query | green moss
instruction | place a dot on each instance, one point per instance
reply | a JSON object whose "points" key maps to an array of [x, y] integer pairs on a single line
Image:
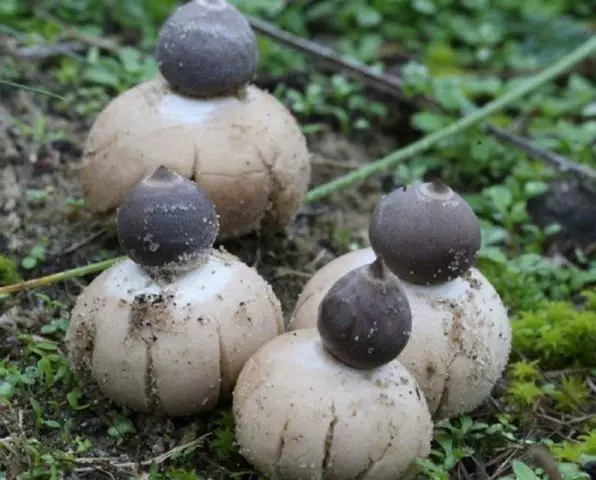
{"points": [[579, 450], [8, 271], [557, 334], [528, 387], [526, 282]]}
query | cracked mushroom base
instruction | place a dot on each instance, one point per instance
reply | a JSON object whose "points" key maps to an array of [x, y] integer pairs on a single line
{"points": [[301, 414], [246, 151], [460, 340], [173, 350]]}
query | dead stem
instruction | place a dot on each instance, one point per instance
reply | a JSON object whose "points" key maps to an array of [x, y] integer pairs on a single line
{"points": [[61, 276], [394, 85], [380, 80], [116, 464], [76, 246]]}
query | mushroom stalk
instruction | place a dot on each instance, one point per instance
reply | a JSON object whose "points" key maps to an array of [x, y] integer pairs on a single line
{"points": [[378, 269]]}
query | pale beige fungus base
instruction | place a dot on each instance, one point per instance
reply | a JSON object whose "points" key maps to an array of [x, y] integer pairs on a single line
{"points": [[301, 414], [461, 334], [246, 151], [174, 349]]}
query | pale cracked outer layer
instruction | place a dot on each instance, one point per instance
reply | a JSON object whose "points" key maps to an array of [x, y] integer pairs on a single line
{"points": [[301, 414], [461, 334], [246, 152], [173, 350]]}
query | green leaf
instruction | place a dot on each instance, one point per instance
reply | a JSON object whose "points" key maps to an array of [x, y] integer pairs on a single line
{"points": [[589, 110], [52, 424], [494, 254], [501, 197], [123, 426], [6, 390], [28, 263], [73, 398], [9, 8], [448, 92], [130, 59], [424, 6], [100, 75], [429, 122], [523, 472], [368, 17], [535, 188], [38, 251], [483, 150]]}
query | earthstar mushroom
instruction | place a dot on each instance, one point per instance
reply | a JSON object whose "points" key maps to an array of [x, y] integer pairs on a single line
{"points": [[461, 336], [202, 118], [169, 334], [303, 413]]}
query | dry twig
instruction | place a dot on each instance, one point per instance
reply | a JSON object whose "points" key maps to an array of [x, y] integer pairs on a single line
{"points": [[76, 246], [381, 81], [75, 34], [45, 52], [394, 85], [92, 463]]}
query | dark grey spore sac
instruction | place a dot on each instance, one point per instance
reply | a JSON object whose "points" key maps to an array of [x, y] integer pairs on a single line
{"points": [[166, 219], [207, 48], [426, 233], [365, 319]]}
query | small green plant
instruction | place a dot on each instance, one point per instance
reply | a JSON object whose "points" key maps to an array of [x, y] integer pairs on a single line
{"points": [[121, 428], [582, 449], [36, 255], [36, 197], [127, 69], [335, 99], [458, 439], [526, 281], [40, 132]]}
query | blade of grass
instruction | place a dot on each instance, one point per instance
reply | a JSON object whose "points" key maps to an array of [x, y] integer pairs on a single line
{"points": [[39, 91], [61, 276]]}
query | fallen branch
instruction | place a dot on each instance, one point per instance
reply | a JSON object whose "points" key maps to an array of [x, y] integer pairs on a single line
{"points": [[45, 52], [73, 33], [394, 86], [92, 463], [388, 83], [561, 163], [470, 120]]}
